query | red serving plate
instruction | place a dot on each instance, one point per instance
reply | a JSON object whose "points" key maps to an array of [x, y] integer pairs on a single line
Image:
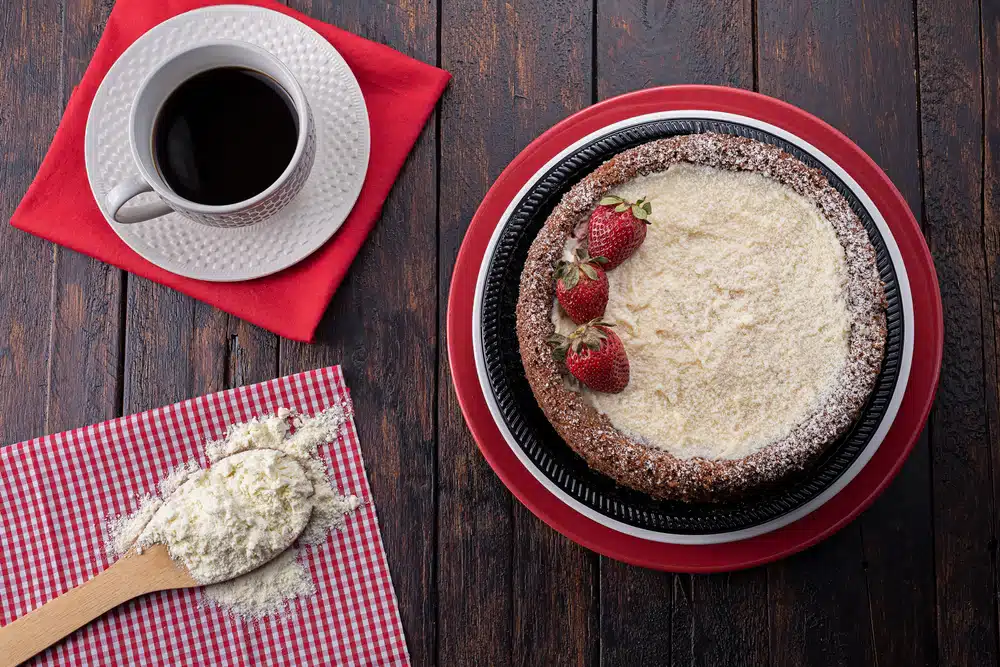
{"points": [[806, 531]]}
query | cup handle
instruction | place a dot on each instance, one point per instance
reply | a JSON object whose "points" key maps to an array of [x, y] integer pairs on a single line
{"points": [[126, 190]]}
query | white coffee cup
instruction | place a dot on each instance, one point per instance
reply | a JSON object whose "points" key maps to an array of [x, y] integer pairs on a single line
{"points": [[154, 91]]}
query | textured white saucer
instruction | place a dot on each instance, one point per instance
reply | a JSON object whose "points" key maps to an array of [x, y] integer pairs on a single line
{"points": [[188, 248]]}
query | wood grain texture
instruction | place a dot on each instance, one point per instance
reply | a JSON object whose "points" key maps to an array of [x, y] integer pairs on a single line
{"points": [[641, 43], [30, 100], [475, 527], [159, 349], [85, 380], [852, 65], [177, 348], [961, 441], [991, 230], [637, 615], [479, 579], [655, 618], [819, 606], [525, 595], [508, 584], [729, 620], [649, 617], [382, 328]]}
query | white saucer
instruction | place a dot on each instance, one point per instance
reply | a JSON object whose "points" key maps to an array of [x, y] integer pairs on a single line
{"points": [[188, 248]]}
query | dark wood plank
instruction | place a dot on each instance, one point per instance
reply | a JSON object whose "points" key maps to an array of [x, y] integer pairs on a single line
{"points": [[555, 587], [819, 606], [991, 229], [852, 64], [382, 328], [475, 529], [177, 348], [159, 352], [31, 97], [642, 44], [650, 617], [509, 586], [86, 369], [728, 619], [638, 617], [898, 559], [653, 618], [961, 441], [229, 352]]}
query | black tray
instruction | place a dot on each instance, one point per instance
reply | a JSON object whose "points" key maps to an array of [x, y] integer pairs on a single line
{"points": [[543, 446]]}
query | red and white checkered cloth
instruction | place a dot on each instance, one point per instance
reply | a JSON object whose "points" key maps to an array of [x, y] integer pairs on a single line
{"points": [[57, 493]]}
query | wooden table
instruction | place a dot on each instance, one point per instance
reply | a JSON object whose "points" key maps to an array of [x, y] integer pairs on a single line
{"points": [[480, 580]]}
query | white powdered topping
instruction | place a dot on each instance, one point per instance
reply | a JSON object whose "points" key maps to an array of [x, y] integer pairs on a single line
{"points": [[265, 487], [733, 314]]}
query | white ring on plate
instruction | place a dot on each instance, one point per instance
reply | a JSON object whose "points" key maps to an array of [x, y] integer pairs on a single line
{"points": [[343, 144], [849, 474]]}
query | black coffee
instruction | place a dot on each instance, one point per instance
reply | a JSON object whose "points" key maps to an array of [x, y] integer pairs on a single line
{"points": [[224, 135]]}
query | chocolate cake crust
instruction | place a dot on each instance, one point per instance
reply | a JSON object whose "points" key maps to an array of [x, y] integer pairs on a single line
{"points": [[654, 471]]}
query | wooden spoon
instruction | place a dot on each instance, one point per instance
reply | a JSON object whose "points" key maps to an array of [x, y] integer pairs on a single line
{"points": [[129, 577]]}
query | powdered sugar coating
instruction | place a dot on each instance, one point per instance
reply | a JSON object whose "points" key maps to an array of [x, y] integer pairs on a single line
{"points": [[593, 436]]}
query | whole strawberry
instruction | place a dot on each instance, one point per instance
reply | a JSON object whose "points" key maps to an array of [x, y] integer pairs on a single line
{"points": [[594, 354], [582, 287], [617, 229]]}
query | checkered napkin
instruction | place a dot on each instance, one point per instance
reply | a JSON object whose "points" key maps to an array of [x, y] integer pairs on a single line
{"points": [[57, 492]]}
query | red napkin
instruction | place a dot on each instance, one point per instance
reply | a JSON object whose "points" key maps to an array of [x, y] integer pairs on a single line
{"points": [[400, 94]]}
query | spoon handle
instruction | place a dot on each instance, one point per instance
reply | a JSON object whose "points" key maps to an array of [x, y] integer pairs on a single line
{"points": [[127, 578]]}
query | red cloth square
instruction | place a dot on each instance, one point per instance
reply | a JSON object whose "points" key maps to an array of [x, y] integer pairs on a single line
{"points": [[400, 94]]}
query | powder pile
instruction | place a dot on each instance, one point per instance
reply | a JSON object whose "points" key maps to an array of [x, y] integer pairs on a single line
{"points": [[265, 485], [234, 516]]}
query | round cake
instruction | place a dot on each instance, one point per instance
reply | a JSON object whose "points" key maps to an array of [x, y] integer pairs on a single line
{"points": [[751, 313]]}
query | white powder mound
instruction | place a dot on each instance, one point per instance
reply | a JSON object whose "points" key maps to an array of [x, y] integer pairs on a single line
{"points": [[235, 516], [265, 486], [258, 433], [298, 437], [733, 313], [264, 591]]}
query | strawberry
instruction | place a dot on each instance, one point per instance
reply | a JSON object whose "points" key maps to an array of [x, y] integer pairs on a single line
{"points": [[617, 229], [594, 354], [582, 287]]}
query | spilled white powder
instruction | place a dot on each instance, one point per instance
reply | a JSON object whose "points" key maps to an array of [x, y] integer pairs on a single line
{"points": [[125, 529], [266, 590], [265, 486]]}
